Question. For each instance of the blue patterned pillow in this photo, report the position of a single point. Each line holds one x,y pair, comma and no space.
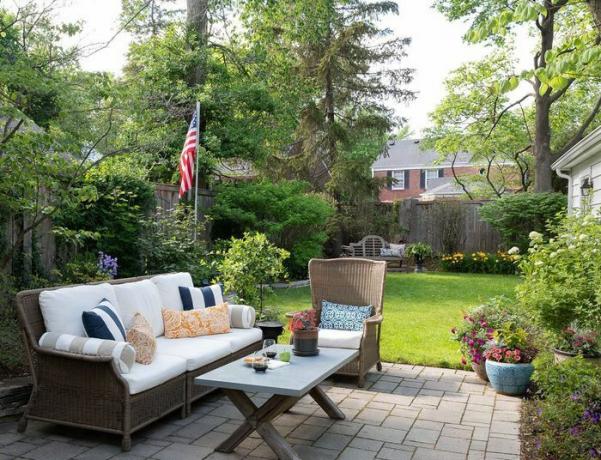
343,317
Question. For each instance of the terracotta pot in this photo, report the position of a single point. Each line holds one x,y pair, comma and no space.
304,341
480,370
565,355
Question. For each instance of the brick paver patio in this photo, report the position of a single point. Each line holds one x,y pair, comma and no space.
404,412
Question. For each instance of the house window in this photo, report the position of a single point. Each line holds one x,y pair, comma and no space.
398,180
431,174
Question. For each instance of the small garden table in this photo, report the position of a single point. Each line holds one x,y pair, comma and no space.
287,384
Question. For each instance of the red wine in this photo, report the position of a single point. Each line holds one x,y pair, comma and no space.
262,367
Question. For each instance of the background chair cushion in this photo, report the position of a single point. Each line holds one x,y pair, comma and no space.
197,351
141,337
192,323
168,286
62,308
104,322
162,368
208,296
242,316
122,353
332,338
343,317
140,297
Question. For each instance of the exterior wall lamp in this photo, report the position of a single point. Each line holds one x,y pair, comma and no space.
586,187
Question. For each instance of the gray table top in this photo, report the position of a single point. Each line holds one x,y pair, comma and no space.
296,379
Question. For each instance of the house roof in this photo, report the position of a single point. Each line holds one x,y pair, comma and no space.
584,149
443,186
407,154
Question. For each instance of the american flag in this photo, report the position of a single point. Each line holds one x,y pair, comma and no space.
186,161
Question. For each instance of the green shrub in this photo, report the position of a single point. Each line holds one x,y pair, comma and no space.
12,352
562,277
83,268
110,217
290,216
515,216
248,263
480,262
167,245
568,403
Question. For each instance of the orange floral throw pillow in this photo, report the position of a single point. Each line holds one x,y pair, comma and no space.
192,323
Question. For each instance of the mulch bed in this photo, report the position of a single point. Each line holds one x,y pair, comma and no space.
528,431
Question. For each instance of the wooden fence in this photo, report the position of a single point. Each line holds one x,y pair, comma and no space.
447,226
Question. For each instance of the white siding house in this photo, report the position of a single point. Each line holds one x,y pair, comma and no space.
581,165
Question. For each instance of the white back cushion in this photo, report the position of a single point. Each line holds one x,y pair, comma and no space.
140,297
168,286
62,308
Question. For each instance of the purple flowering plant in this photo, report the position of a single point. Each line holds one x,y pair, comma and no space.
107,264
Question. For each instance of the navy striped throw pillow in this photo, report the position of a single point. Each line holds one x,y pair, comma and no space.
195,298
104,322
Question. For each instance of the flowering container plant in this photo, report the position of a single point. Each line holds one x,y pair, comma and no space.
478,328
573,341
305,333
509,360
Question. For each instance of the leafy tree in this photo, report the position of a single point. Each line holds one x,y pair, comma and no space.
56,121
566,56
466,121
341,82
290,216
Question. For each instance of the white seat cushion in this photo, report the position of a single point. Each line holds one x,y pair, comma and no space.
333,338
168,286
197,351
62,308
142,377
240,338
140,297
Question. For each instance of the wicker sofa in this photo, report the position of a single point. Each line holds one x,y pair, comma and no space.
89,391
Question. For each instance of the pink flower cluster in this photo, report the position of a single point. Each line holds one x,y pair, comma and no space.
504,355
474,339
304,320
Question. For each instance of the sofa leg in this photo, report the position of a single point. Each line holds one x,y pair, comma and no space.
379,366
126,443
361,381
22,424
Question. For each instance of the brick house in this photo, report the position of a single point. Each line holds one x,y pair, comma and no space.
413,171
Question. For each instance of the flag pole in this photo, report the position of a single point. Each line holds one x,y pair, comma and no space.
196,169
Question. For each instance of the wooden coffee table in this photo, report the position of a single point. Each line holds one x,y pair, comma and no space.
287,384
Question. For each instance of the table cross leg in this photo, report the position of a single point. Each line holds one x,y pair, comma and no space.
324,401
259,419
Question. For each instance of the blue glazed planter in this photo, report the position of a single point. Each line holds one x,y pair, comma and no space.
509,379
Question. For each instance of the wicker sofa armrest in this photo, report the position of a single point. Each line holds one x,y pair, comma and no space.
373,320
64,367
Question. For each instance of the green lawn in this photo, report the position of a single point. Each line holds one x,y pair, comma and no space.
419,311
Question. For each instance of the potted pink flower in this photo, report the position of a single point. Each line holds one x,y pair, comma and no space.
509,360
305,333
573,341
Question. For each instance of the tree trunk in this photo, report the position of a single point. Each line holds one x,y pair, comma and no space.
595,6
197,20
542,132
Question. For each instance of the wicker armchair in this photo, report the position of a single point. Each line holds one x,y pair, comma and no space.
353,281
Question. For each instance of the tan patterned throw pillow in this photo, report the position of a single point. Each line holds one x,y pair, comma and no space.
141,337
192,323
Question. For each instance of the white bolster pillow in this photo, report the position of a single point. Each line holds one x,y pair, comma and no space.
242,316
122,353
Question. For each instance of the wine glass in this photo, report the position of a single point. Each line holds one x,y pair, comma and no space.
269,348
259,362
